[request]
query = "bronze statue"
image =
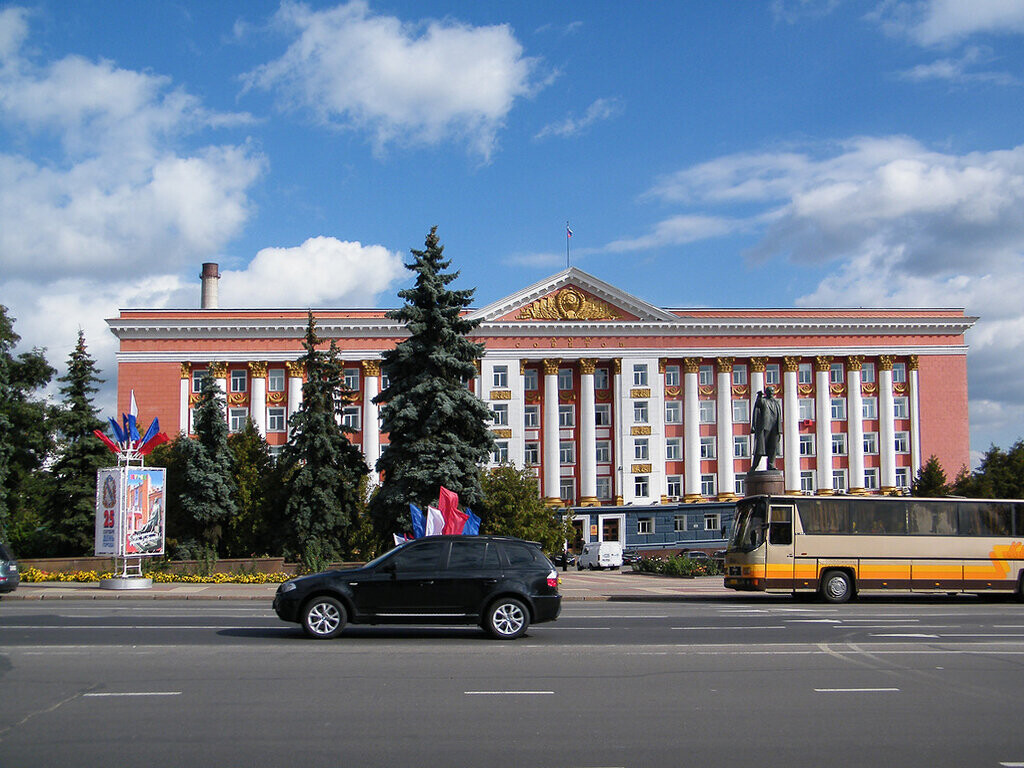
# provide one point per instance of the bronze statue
(765, 425)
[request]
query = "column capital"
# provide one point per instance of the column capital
(854, 362)
(725, 364)
(691, 364)
(296, 368)
(587, 365)
(823, 363)
(791, 364)
(913, 362)
(186, 370)
(218, 370)
(551, 365)
(885, 362)
(758, 364)
(258, 368)
(477, 364)
(522, 365)
(371, 367)
(662, 364)
(616, 365)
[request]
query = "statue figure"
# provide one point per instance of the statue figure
(765, 425)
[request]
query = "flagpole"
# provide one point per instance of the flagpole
(568, 236)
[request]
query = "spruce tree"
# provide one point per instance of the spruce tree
(249, 531)
(207, 485)
(320, 466)
(80, 454)
(930, 480)
(438, 429)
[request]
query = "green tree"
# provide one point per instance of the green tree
(80, 453)
(999, 476)
(512, 507)
(26, 442)
(250, 530)
(321, 469)
(931, 480)
(438, 429)
(207, 497)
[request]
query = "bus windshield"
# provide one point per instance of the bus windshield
(751, 515)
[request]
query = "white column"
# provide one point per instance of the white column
(588, 434)
(219, 371)
(184, 397)
(823, 424)
(296, 371)
(258, 399)
(371, 416)
(691, 430)
(552, 467)
(855, 424)
(886, 423)
(726, 462)
(517, 413)
(916, 460)
(619, 401)
(791, 425)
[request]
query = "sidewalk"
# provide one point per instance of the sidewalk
(585, 585)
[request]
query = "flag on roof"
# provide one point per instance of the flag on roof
(419, 521)
(454, 522)
(472, 526)
(435, 522)
(448, 501)
(568, 232)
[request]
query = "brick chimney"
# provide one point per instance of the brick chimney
(210, 276)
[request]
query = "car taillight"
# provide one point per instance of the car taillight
(553, 580)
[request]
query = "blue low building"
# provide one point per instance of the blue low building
(706, 526)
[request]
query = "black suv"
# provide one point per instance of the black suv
(502, 584)
(9, 576)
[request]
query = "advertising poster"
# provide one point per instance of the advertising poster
(144, 511)
(109, 510)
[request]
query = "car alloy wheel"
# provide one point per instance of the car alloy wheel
(323, 618)
(507, 619)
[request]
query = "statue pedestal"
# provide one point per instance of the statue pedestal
(765, 482)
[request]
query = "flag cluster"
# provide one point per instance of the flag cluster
(445, 518)
(128, 441)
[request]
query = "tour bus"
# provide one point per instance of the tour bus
(837, 546)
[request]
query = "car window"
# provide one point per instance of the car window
(5, 554)
(468, 556)
(519, 555)
(423, 557)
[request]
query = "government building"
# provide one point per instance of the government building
(612, 401)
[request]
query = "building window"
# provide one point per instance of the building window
(838, 409)
(532, 454)
(679, 523)
(640, 375)
(807, 481)
(838, 479)
(805, 409)
(739, 375)
(350, 417)
(707, 411)
(740, 485)
(239, 378)
(236, 419)
(675, 487)
(871, 443)
(671, 375)
(604, 487)
(902, 477)
(603, 414)
(901, 408)
(899, 373)
(707, 447)
(836, 373)
(771, 375)
(806, 445)
(275, 451)
(531, 417)
(566, 415)
(500, 377)
(706, 375)
(276, 419)
(902, 442)
(385, 381)
(604, 451)
(673, 449)
(673, 412)
(741, 446)
(839, 444)
(804, 374)
(712, 522)
(601, 378)
(867, 373)
(640, 412)
(275, 380)
(191, 421)
(869, 408)
(567, 452)
(567, 489)
(564, 379)
(197, 379)
(707, 485)
(500, 455)
(529, 378)
(499, 414)
(741, 411)
(871, 478)
(641, 451)
(352, 379)
(640, 486)
(644, 526)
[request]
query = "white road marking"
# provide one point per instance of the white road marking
(856, 690)
(509, 693)
(907, 634)
(733, 628)
(136, 693)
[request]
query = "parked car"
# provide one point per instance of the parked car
(694, 554)
(563, 559)
(9, 575)
(719, 558)
(600, 554)
(630, 556)
(502, 584)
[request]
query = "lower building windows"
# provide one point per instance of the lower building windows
(567, 489)
(679, 524)
(712, 522)
(902, 477)
(641, 485)
(871, 479)
(644, 526)
(807, 481)
(707, 485)
(237, 418)
(604, 487)
(838, 479)
(532, 454)
(500, 454)
(276, 419)
(675, 486)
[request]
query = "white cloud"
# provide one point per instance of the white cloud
(677, 230)
(600, 109)
(408, 83)
(323, 271)
(937, 22)
(957, 71)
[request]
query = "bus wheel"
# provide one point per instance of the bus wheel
(836, 587)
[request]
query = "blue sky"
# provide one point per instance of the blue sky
(788, 153)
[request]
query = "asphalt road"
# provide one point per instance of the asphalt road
(907, 682)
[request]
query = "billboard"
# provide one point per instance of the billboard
(130, 511)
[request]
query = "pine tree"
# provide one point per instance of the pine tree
(81, 453)
(999, 476)
(438, 429)
(320, 466)
(207, 486)
(930, 480)
(249, 531)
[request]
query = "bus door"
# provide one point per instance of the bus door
(779, 561)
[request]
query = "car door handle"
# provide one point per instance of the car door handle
(427, 581)
(490, 582)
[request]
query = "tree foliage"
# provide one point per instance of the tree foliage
(999, 476)
(512, 507)
(251, 530)
(931, 480)
(320, 467)
(438, 429)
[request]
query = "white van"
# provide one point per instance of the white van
(600, 554)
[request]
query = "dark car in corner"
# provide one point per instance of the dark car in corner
(502, 584)
(9, 575)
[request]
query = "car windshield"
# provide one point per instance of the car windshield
(390, 553)
(750, 518)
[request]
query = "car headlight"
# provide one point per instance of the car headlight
(288, 586)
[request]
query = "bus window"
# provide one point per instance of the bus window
(1018, 519)
(749, 529)
(985, 518)
(932, 519)
(780, 531)
(825, 516)
(881, 517)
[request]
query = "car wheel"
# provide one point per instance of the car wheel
(323, 617)
(507, 619)
(836, 587)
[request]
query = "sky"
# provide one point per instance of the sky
(744, 154)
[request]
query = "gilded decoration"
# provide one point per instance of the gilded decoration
(238, 398)
(616, 365)
(258, 369)
(640, 393)
(900, 388)
(551, 366)
(522, 367)
(641, 469)
(869, 388)
(371, 367)
(296, 368)
(837, 389)
(567, 397)
(640, 430)
(186, 370)
(587, 366)
(854, 362)
(219, 370)
(885, 362)
(604, 395)
(662, 365)
(532, 397)
(758, 363)
(823, 363)
(706, 389)
(672, 391)
(275, 397)
(805, 389)
(568, 304)
(791, 364)
(505, 433)
(501, 394)
(691, 364)
(194, 398)
(913, 362)
(476, 364)
(740, 390)
(725, 364)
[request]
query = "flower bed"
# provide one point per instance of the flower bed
(33, 575)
